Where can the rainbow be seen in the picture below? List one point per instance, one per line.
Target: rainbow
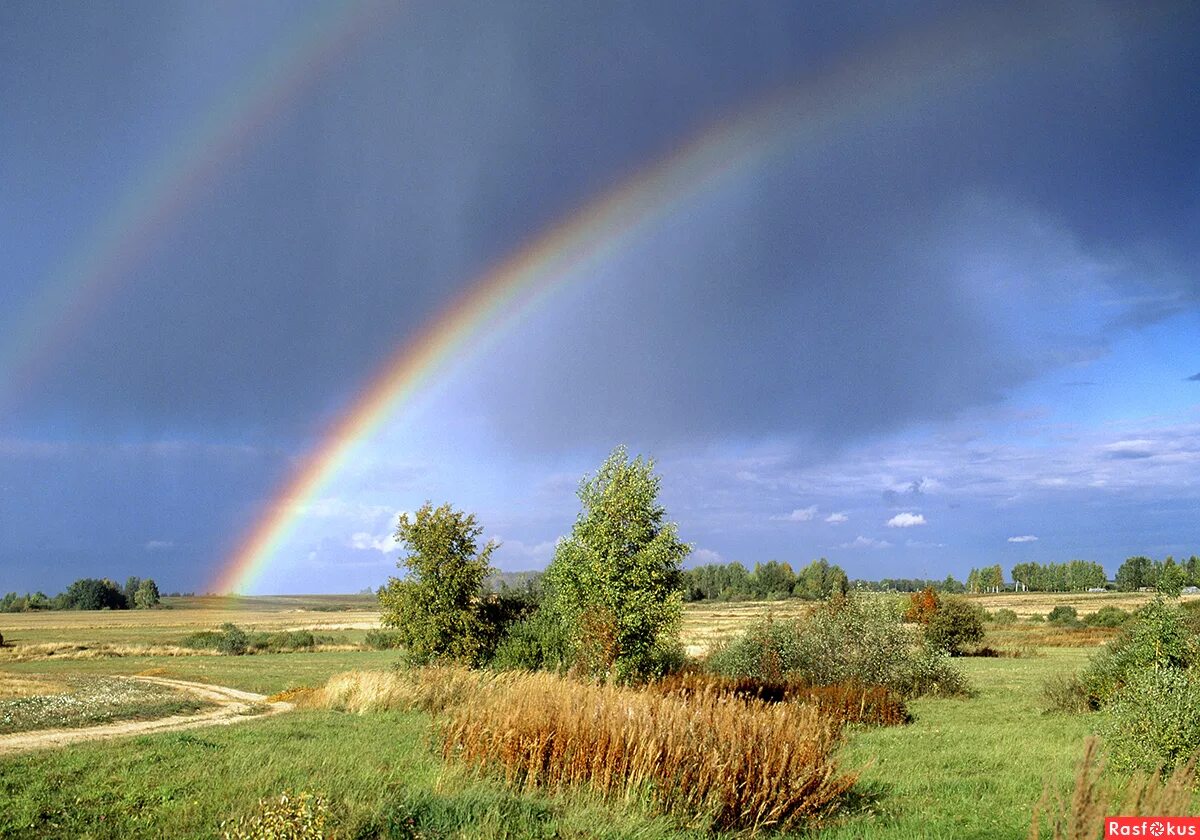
(170, 184)
(936, 61)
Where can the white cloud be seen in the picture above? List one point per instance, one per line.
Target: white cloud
(866, 542)
(159, 545)
(837, 518)
(704, 557)
(365, 540)
(799, 515)
(906, 520)
(1023, 539)
(919, 544)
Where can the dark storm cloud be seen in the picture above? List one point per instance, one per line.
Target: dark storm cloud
(829, 298)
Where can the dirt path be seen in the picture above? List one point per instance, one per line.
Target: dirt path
(233, 706)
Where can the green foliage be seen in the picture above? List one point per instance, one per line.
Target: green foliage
(1107, 616)
(302, 816)
(1153, 720)
(953, 625)
(94, 594)
(1171, 579)
(1135, 573)
(383, 640)
(233, 640)
(615, 582)
(538, 642)
(1159, 637)
(858, 638)
(773, 580)
(1074, 576)
(819, 580)
(1004, 616)
(1064, 615)
(146, 596)
(436, 609)
(1065, 693)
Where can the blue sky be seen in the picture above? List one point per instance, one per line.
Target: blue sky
(956, 327)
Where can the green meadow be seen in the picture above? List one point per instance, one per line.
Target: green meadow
(963, 768)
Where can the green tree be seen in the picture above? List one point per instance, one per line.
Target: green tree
(437, 609)
(1172, 578)
(955, 623)
(94, 594)
(820, 580)
(1135, 573)
(146, 595)
(130, 590)
(615, 582)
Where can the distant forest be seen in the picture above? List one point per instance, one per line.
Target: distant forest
(88, 594)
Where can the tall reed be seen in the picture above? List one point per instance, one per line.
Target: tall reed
(711, 759)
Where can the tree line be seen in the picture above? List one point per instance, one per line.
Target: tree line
(89, 594)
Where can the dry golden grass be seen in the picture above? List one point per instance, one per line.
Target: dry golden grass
(1095, 798)
(62, 650)
(1026, 604)
(710, 760)
(706, 623)
(848, 702)
(1032, 636)
(431, 689)
(17, 685)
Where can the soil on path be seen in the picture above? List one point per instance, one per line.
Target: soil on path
(233, 706)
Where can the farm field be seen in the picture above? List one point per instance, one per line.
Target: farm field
(963, 768)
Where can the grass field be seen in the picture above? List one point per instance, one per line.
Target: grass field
(964, 768)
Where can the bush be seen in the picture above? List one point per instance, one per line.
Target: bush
(1065, 693)
(1159, 637)
(383, 640)
(536, 643)
(1108, 616)
(858, 638)
(300, 817)
(1004, 616)
(954, 624)
(922, 606)
(1153, 721)
(1063, 615)
(233, 640)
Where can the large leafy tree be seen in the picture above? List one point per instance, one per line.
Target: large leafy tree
(438, 608)
(615, 582)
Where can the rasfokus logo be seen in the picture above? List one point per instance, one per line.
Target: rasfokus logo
(1151, 827)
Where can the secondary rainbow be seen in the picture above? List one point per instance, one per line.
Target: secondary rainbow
(165, 188)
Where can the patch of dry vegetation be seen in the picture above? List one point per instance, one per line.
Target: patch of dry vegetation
(699, 748)
(710, 759)
(849, 702)
(18, 685)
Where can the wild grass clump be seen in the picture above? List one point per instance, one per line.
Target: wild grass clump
(302, 816)
(847, 639)
(431, 689)
(849, 702)
(713, 761)
(1094, 797)
(1065, 693)
(383, 640)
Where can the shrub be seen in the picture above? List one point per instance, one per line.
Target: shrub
(1158, 637)
(1065, 693)
(233, 640)
(857, 638)
(1107, 616)
(1004, 616)
(953, 625)
(1064, 615)
(290, 817)
(283, 640)
(732, 763)
(922, 605)
(383, 640)
(1153, 721)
